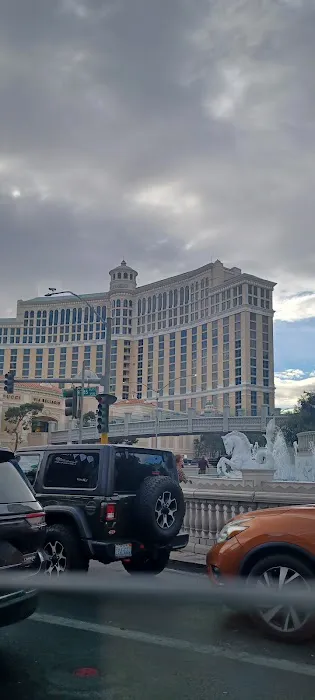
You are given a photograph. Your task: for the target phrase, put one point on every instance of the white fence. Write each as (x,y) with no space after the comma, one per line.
(209,507)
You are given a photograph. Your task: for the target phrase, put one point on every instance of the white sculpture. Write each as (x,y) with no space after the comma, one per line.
(239,451)
(255,449)
(270,436)
(240,455)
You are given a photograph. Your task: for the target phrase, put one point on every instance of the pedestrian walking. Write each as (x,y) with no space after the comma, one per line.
(203,465)
(180,469)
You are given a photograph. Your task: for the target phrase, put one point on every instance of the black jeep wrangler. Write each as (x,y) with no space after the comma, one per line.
(107,502)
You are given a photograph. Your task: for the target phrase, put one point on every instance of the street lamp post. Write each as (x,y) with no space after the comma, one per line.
(108,344)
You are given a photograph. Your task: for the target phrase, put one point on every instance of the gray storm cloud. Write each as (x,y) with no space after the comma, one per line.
(165,132)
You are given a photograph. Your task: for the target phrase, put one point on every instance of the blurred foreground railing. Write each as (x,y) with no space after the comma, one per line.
(235,593)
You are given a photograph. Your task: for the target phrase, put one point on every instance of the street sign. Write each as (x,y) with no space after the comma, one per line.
(88,391)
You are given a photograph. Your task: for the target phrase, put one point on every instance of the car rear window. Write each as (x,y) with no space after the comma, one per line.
(29,464)
(132,466)
(72,470)
(13,488)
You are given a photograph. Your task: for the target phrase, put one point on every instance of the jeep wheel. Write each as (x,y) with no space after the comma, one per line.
(283,622)
(159,509)
(146,564)
(63,549)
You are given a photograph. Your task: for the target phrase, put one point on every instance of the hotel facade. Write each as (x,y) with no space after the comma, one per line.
(198,337)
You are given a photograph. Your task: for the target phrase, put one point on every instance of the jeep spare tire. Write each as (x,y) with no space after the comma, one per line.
(159,509)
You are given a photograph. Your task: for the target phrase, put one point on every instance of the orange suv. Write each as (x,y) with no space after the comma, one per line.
(275,546)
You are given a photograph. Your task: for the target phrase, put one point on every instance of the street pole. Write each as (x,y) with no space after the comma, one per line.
(156,420)
(81,403)
(70,432)
(106,383)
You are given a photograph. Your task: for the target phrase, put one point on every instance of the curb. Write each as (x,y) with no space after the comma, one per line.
(181,565)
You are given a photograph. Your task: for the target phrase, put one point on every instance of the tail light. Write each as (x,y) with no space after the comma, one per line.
(36,520)
(108,512)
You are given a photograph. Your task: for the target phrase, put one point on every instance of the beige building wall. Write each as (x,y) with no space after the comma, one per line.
(65,333)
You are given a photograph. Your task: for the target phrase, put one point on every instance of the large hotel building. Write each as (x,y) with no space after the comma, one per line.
(198,337)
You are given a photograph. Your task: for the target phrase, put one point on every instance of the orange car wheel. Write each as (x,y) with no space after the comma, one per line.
(283,571)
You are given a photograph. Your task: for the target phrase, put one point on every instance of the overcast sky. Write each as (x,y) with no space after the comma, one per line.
(168,132)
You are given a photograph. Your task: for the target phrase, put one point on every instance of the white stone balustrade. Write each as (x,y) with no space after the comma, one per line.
(216,501)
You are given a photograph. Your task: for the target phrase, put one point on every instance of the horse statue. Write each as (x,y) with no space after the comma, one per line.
(240,456)
(239,451)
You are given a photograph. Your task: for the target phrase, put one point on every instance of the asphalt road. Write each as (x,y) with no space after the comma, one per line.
(87,647)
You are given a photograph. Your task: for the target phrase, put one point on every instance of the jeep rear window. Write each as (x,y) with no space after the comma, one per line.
(133,466)
(72,470)
(29,464)
(13,488)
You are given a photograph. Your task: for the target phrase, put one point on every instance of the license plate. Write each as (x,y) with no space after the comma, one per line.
(123,551)
(29,559)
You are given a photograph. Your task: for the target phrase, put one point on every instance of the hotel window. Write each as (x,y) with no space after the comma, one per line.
(264,298)
(215,341)
(26,363)
(2,362)
(266,400)
(74,361)
(237,295)
(226,351)
(204,357)
(238,349)
(150,368)
(103,328)
(268,296)
(253,349)
(140,369)
(171,367)
(13,360)
(39,363)
(99,359)
(51,363)
(238,403)
(253,403)
(113,366)
(161,365)
(265,339)
(87,357)
(252,295)
(183,406)
(193,360)
(125,388)
(62,362)
(183,362)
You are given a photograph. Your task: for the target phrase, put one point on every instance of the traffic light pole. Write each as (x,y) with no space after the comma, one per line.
(81,403)
(106,378)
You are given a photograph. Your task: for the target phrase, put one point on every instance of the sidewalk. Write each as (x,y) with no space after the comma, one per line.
(187,560)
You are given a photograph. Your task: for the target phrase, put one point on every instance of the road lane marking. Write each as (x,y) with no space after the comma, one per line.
(177,644)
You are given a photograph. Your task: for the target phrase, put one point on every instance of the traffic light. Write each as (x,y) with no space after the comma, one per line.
(102,414)
(104,402)
(71,402)
(9,382)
